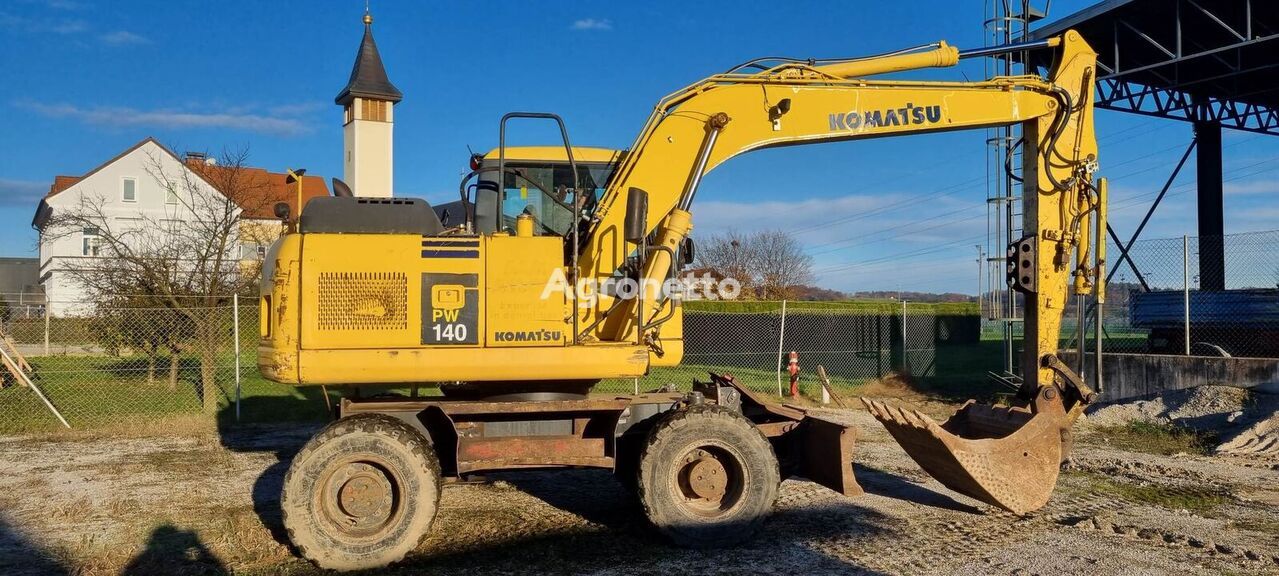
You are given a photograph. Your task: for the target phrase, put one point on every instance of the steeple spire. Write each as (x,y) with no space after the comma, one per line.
(368,76)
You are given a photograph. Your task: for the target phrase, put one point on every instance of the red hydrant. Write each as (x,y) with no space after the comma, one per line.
(793,368)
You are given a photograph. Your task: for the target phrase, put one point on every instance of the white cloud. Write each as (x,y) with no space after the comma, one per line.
(296,109)
(67,27)
(592,24)
(21,192)
(167,118)
(40,26)
(122,37)
(1250,187)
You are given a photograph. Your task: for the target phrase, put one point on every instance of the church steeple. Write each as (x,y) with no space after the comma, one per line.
(368,103)
(368,76)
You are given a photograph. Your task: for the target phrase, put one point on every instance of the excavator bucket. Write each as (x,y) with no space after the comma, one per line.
(1005,457)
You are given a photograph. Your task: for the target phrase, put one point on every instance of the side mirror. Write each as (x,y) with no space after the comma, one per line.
(686,252)
(282,210)
(636,227)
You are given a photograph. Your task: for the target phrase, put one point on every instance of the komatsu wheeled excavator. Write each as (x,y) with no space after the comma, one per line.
(515,311)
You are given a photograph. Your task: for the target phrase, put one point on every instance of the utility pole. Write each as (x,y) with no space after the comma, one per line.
(981,255)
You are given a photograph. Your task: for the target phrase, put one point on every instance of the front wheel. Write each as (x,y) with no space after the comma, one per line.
(361,494)
(707,477)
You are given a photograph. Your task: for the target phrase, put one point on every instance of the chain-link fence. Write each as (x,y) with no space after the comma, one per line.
(855,343)
(1202,296)
(126,359)
(133,360)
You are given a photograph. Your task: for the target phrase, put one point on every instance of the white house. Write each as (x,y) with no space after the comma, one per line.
(132,195)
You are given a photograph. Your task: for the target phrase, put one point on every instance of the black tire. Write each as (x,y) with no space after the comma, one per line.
(361,494)
(680,485)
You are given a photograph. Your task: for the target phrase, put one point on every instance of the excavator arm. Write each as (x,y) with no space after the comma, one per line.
(1006,456)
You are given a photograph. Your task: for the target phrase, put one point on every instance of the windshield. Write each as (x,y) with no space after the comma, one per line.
(541,189)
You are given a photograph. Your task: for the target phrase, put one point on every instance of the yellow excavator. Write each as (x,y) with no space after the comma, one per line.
(558,275)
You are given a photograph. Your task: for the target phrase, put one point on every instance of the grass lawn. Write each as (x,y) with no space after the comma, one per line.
(755,379)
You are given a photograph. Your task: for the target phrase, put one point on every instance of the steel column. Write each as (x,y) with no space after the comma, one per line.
(1212,257)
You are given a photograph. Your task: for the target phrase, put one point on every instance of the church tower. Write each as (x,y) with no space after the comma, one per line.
(367,104)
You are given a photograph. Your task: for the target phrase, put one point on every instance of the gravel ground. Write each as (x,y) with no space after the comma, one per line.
(204,503)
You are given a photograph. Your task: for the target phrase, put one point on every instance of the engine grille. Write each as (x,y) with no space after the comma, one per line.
(363,301)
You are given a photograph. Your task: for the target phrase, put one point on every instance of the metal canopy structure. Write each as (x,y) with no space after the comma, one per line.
(1193,60)
(1214,63)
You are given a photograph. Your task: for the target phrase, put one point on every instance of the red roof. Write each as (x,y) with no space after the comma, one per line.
(256,190)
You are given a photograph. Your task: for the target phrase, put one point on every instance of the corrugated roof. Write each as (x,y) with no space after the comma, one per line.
(368,76)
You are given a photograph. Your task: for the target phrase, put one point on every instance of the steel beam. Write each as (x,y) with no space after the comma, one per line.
(1177,105)
(1211,207)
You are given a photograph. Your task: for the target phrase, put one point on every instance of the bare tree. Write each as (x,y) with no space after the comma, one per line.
(185,262)
(728,256)
(780,264)
(770,264)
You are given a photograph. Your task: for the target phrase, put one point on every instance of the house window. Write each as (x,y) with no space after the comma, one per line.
(252,251)
(129,189)
(92,245)
(373,110)
(171,197)
(346,114)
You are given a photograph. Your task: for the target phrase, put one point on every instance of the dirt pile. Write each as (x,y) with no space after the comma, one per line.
(1246,422)
(1260,436)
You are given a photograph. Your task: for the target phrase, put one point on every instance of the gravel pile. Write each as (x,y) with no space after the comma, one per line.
(1200,407)
(1247,422)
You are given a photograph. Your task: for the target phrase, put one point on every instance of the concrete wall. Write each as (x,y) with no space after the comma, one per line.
(1135,375)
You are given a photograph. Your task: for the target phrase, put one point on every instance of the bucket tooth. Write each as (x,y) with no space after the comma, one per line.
(1004,457)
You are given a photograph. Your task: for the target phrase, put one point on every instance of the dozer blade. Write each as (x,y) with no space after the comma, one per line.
(1005,457)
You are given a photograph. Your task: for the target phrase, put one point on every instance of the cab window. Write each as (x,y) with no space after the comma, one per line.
(542,190)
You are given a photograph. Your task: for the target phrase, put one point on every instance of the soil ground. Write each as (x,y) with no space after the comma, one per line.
(197,501)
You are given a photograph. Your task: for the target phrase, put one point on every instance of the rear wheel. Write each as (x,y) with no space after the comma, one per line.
(707,477)
(361,494)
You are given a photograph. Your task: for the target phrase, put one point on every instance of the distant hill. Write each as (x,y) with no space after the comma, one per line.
(912,296)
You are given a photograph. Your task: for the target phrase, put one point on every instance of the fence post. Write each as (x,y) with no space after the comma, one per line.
(1185,291)
(905,355)
(235,323)
(781,337)
(46,328)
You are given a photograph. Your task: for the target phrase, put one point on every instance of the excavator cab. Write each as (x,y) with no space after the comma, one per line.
(539,182)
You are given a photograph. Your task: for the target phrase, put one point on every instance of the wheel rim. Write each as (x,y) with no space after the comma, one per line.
(361,498)
(709,480)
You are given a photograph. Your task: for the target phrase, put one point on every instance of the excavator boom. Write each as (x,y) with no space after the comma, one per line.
(1007,457)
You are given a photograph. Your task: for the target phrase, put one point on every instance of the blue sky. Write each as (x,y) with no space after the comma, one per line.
(88,78)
